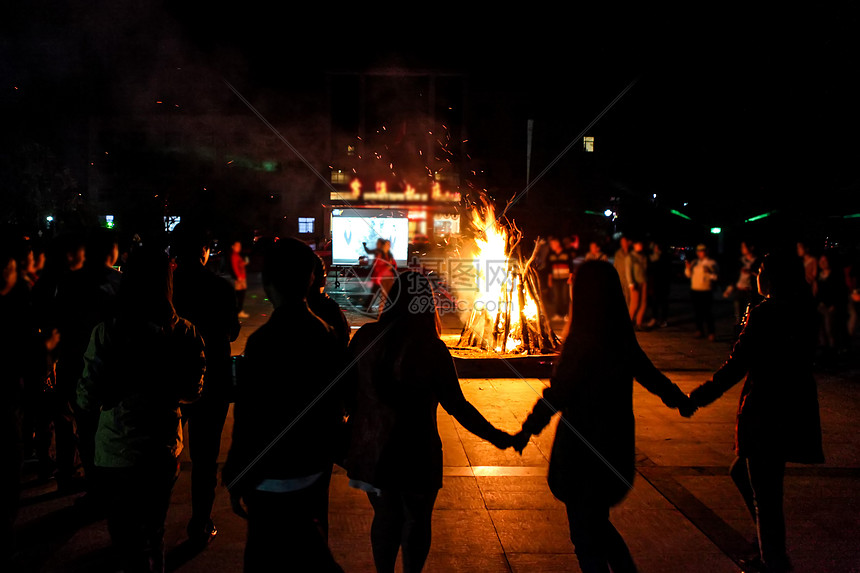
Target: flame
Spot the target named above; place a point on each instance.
(498, 282)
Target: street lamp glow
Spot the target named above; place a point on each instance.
(49, 218)
(716, 230)
(608, 212)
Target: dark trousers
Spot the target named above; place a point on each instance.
(283, 532)
(240, 299)
(401, 520)
(205, 423)
(703, 311)
(597, 543)
(561, 297)
(760, 482)
(10, 480)
(137, 501)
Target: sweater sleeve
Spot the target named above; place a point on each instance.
(735, 368)
(452, 399)
(90, 392)
(655, 381)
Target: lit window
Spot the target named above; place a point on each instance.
(350, 150)
(339, 176)
(306, 224)
(588, 143)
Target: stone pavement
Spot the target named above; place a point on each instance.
(496, 513)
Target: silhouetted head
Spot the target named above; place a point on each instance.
(319, 276)
(782, 276)
(410, 302)
(288, 270)
(146, 289)
(599, 319)
(190, 244)
(9, 268)
(102, 248)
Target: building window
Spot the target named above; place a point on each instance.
(588, 143)
(339, 176)
(306, 225)
(350, 150)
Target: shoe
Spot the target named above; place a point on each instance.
(243, 314)
(201, 535)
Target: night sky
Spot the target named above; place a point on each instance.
(734, 112)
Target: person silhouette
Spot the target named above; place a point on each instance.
(592, 462)
(402, 372)
(285, 422)
(778, 419)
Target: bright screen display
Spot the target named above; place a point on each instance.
(352, 227)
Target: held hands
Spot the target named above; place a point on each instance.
(518, 441)
(687, 407)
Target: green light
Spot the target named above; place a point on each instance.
(758, 217)
(854, 216)
(109, 225)
(716, 230)
(678, 213)
(593, 213)
(270, 166)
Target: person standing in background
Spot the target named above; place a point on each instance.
(702, 273)
(810, 262)
(238, 266)
(639, 285)
(744, 290)
(560, 263)
(595, 253)
(623, 266)
(659, 283)
(138, 368)
(209, 303)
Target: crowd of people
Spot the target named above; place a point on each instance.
(115, 364)
(649, 269)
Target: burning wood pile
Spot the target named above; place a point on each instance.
(507, 315)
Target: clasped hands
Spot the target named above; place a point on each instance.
(520, 440)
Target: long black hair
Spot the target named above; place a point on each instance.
(409, 315)
(600, 328)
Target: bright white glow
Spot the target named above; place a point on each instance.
(49, 218)
(608, 212)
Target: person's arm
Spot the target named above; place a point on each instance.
(735, 368)
(190, 377)
(655, 381)
(90, 392)
(452, 399)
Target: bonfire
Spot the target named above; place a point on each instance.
(507, 316)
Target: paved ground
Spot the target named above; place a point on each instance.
(495, 512)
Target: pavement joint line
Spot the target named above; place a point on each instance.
(725, 537)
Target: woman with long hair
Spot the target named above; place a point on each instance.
(592, 462)
(403, 372)
(139, 367)
(778, 418)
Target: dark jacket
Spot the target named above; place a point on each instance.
(778, 412)
(209, 302)
(137, 375)
(329, 311)
(395, 440)
(595, 397)
(285, 413)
